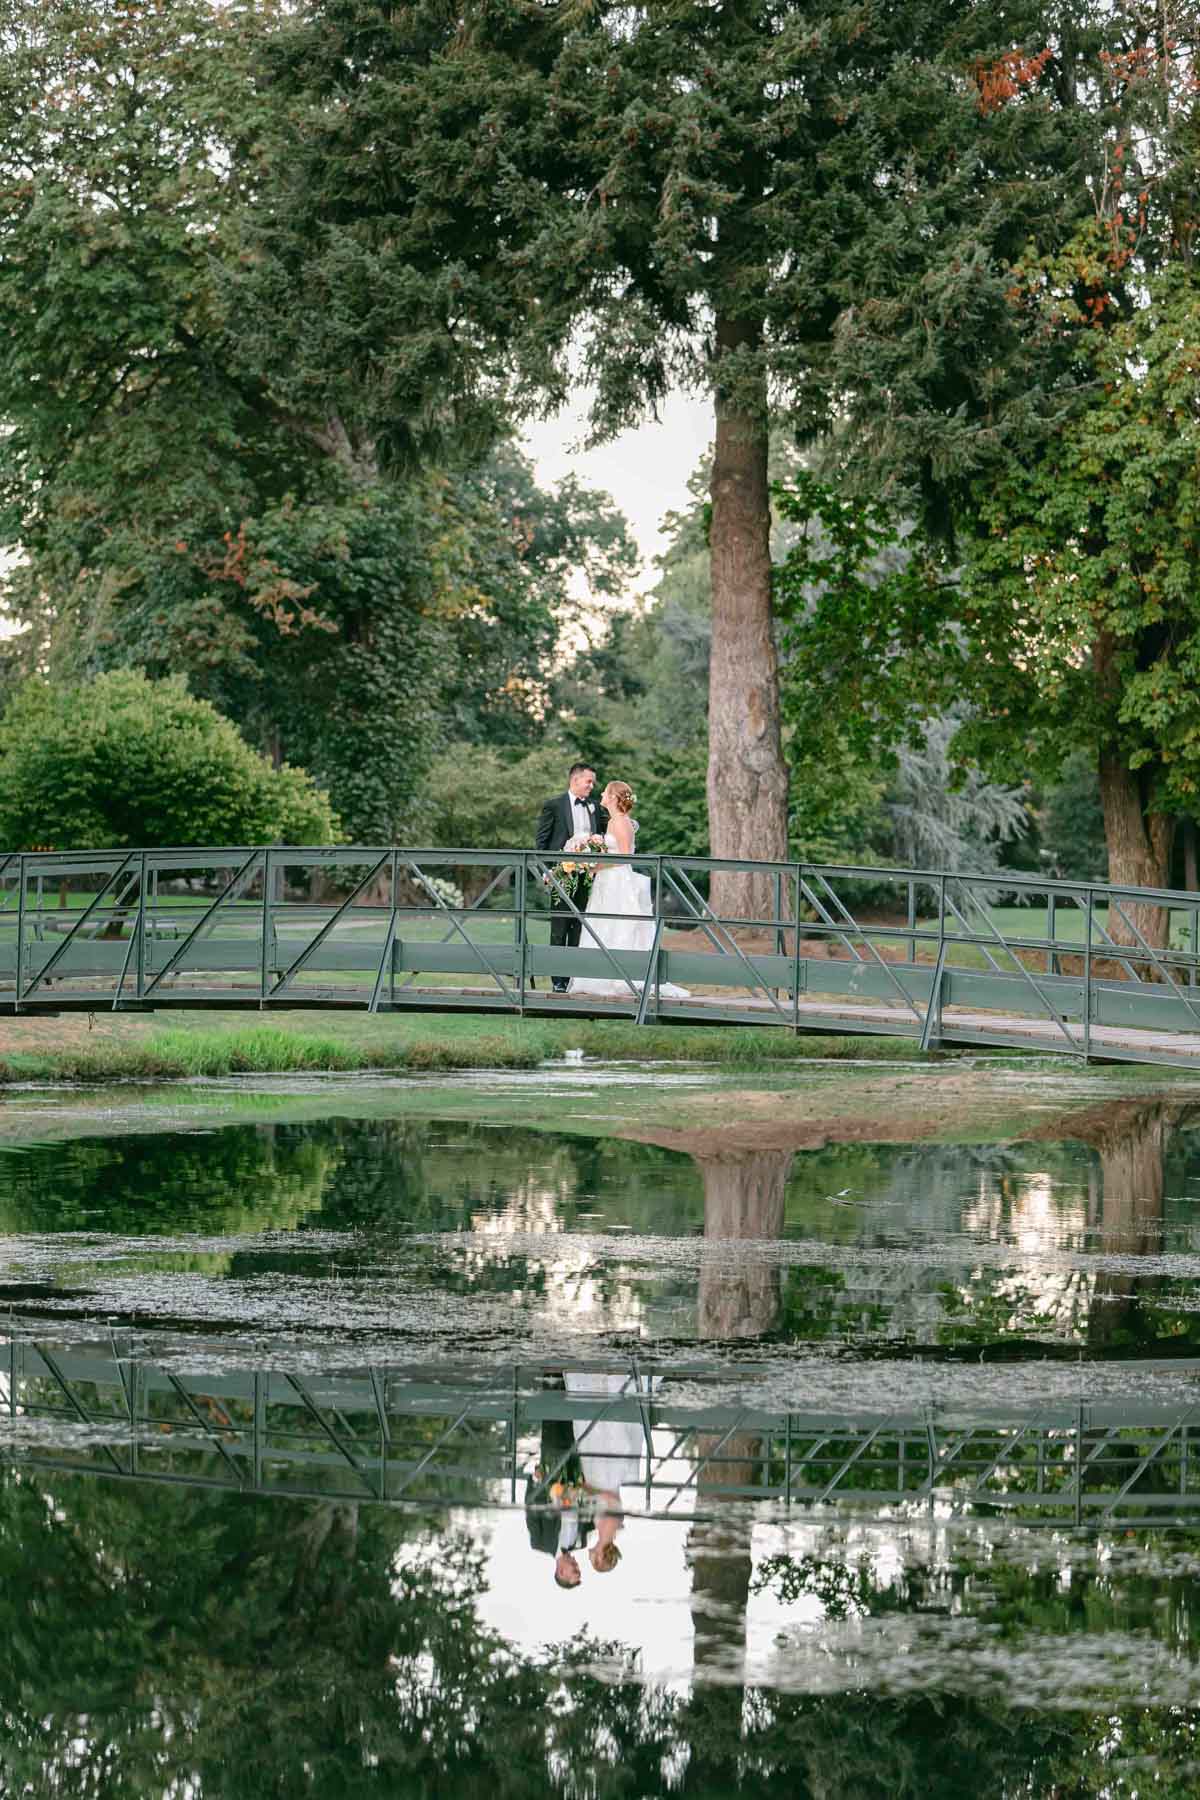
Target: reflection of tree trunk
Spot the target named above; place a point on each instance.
(1132, 1184)
(718, 1550)
(329, 1530)
(719, 1553)
(743, 1199)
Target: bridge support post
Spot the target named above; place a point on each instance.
(513, 1429)
(1087, 978)
(1051, 928)
(140, 965)
(796, 960)
(20, 931)
(265, 924)
(522, 875)
(931, 1031)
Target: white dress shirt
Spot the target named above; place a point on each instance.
(582, 817)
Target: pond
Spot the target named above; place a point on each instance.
(436, 1451)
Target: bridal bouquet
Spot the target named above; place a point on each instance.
(567, 1494)
(575, 878)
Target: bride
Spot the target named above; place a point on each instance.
(620, 891)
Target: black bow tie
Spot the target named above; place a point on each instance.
(586, 804)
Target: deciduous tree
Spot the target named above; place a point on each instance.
(174, 507)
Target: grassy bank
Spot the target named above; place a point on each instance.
(107, 1049)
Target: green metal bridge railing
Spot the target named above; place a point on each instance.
(1063, 966)
(394, 1435)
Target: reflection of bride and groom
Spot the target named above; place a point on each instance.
(739, 1300)
(619, 914)
(575, 1494)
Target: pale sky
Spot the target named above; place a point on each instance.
(644, 470)
(645, 1602)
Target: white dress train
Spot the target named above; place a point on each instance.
(611, 1451)
(620, 891)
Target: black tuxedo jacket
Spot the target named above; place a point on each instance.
(556, 823)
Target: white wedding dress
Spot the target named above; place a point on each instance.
(611, 1451)
(623, 892)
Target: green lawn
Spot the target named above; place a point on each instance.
(212, 1043)
(1031, 922)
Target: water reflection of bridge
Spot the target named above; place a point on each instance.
(396, 1435)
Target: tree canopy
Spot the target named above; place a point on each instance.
(472, 207)
(172, 509)
(278, 281)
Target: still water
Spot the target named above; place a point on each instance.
(418, 1456)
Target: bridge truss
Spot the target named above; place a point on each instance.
(1062, 966)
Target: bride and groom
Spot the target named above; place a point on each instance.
(619, 915)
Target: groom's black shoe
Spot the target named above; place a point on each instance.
(559, 985)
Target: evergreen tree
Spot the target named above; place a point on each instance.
(939, 822)
(474, 204)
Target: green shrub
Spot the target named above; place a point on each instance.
(122, 761)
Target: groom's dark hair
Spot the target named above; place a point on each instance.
(576, 767)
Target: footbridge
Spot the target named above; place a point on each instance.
(399, 1434)
(1090, 970)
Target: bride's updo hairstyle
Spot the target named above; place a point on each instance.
(622, 796)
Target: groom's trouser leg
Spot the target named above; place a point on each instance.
(564, 935)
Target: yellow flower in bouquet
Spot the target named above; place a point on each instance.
(571, 875)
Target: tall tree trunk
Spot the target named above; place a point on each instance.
(1139, 841)
(1191, 876)
(1139, 853)
(747, 782)
(125, 913)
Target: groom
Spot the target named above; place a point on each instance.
(573, 814)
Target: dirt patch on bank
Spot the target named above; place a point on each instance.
(60, 1031)
(876, 1113)
(899, 1109)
